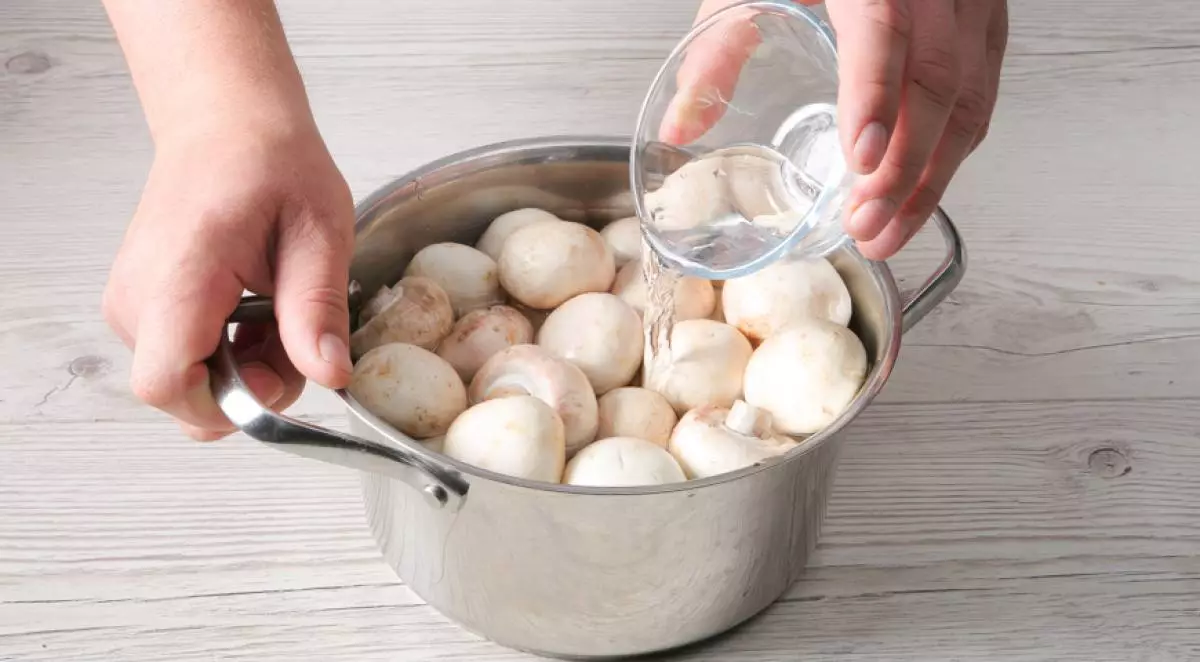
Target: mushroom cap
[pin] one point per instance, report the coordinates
(624, 238)
(544, 264)
(703, 190)
(694, 297)
(531, 370)
(622, 462)
(598, 332)
(410, 388)
(766, 301)
(519, 436)
(806, 375)
(481, 333)
(705, 445)
(502, 227)
(469, 277)
(703, 367)
(415, 311)
(690, 196)
(632, 411)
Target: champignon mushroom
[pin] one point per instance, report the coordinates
(598, 332)
(703, 366)
(624, 239)
(622, 462)
(631, 411)
(411, 389)
(791, 289)
(694, 297)
(500, 229)
(712, 440)
(520, 436)
(481, 333)
(415, 310)
(690, 196)
(468, 276)
(806, 374)
(544, 264)
(704, 190)
(531, 370)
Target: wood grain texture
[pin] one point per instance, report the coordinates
(1024, 488)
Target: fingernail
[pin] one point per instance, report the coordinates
(334, 352)
(870, 218)
(263, 381)
(870, 147)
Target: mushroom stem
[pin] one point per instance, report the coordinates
(746, 419)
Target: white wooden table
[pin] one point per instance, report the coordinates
(1027, 487)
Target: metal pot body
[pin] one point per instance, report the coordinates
(560, 570)
(585, 574)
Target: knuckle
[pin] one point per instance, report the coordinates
(921, 204)
(935, 70)
(970, 113)
(153, 389)
(888, 15)
(323, 296)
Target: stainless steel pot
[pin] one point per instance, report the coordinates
(569, 571)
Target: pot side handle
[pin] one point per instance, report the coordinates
(943, 281)
(442, 487)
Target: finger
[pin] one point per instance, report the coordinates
(262, 381)
(972, 108)
(932, 79)
(313, 258)
(997, 44)
(176, 332)
(260, 344)
(873, 41)
(708, 75)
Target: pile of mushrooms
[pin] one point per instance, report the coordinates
(523, 355)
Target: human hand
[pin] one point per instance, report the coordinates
(235, 206)
(918, 85)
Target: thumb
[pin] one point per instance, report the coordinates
(313, 263)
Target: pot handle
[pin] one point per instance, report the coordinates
(943, 281)
(442, 487)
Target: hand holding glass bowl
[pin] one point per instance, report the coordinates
(759, 137)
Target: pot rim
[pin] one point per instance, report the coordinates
(533, 150)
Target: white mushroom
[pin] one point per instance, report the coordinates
(599, 333)
(694, 297)
(704, 365)
(500, 229)
(624, 239)
(481, 333)
(792, 289)
(467, 275)
(806, 375)
(622, 462)
(544, 264)
(520, 436)
(531, 370)
(411, 389)
(704, 190)
(631, 411)
(415, 310)
(712, 440)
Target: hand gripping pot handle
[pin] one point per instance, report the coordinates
(442, 487)
(944, 279)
